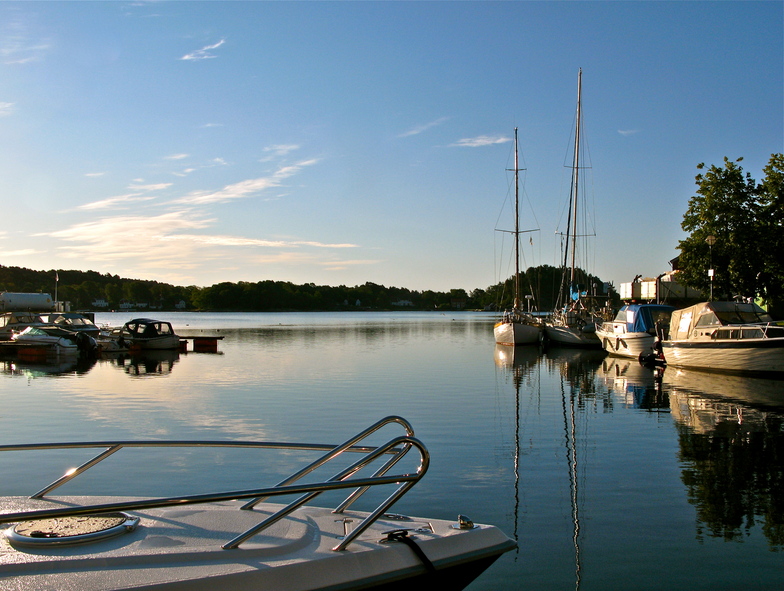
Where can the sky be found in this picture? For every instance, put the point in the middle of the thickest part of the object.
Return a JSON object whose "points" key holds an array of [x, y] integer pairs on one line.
{"points": [[340, 143]]}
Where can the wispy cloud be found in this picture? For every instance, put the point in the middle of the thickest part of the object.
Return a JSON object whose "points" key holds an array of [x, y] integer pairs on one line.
{"points": [[140, 194], [176, 157], [625, 132], [115, 202], [94, 174], [6, 109], [479, 141], [246, 188], [204, 53], [17, 45], [422, 128], [279, 151]]}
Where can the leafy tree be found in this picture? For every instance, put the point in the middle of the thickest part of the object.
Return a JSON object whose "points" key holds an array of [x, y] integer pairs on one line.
{"points": [[745, 222]]}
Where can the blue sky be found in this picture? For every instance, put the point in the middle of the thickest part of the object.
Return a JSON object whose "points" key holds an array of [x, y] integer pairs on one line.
{"points": [[345, 142]]}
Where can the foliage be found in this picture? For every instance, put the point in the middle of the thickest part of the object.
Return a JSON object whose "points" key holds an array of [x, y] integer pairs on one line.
{"points": [[745, 220]]}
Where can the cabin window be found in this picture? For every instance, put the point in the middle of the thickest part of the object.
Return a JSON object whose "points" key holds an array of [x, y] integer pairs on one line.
{"points": [[752, 333], [708, 320], [164, 329]]}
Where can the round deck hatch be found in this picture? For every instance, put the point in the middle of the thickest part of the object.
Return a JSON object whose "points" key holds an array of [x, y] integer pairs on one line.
{"points": [[70, 530]]}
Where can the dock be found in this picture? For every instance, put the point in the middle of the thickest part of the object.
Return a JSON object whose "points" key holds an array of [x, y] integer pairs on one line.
{"points": [[201, 343]]}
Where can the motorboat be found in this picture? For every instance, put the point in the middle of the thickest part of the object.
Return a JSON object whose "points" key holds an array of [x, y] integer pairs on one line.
{"points": [[74, 322], [725, 336], [238, 539], [146, 333], [633, 331], [59, 340], [15, 322], [573, 323], [517, 327]]}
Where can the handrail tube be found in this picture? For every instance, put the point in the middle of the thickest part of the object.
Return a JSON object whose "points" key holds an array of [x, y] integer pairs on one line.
{"points": [[336, 451], [143, 504], [340, 477], [68, 476]]}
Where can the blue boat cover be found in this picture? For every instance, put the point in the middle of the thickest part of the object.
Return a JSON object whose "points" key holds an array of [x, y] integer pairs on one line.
{"points": [[643, 317]]}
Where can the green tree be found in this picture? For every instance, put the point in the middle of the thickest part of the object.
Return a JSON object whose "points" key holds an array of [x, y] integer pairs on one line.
{"points": [[725, 208], [771, 198]]}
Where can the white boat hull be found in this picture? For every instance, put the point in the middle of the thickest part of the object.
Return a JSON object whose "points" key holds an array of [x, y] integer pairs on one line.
{"points": [[180, 549], [627, 344], [742, 355], [516, 333], [156, 343]]}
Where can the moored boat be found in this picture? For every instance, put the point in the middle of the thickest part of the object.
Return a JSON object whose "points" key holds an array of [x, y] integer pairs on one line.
{"points": [[517, 327], [16, 322], [146, 333], [74, 322], [725, 336], [58, 340], [237, 539], [573, 323], [633, 331]]}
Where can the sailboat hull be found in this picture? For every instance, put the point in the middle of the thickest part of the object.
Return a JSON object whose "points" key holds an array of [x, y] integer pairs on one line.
{"points": [[572, 336], [516, 333]]}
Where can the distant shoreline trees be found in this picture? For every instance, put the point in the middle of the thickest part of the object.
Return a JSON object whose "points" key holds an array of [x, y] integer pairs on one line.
{"points": [[82, 288]]}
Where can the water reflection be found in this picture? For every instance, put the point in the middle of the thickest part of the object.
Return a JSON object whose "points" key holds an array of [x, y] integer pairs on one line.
{"points": [[635, 385], [731, 436], [146, 363]]}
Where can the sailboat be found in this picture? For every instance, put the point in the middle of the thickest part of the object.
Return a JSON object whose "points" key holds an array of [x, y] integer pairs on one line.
{"points": [[517, 327], [573, 323]]}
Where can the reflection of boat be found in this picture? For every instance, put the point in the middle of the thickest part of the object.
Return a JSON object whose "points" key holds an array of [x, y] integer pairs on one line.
{"points": [[573, 323], [633, 330], [751, 391], [637, 385], [145, 333], [237, 539], [725, 336], [517, 327], [513, 357], [148, 362]]}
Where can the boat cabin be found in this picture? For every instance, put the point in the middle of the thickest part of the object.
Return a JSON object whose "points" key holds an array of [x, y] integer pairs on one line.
{"points": [[702, 319], [642, 318]]}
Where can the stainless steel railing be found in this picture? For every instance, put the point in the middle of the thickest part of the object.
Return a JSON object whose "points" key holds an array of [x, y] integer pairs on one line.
{"points": [[388, 454]]}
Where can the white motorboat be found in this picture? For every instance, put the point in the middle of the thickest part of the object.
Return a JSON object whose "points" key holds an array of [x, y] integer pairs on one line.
{"points": [[517, 327], [146, 333], [237, 539], [725, 336], [633, 331], [574, 322], [60, 341], [16, 322]]}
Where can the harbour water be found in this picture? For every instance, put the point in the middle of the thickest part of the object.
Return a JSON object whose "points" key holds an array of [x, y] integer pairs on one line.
{"points": [[608, 475]]}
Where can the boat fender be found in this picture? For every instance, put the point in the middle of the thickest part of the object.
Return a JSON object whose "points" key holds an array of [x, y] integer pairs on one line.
{"points": [[401, 535]]}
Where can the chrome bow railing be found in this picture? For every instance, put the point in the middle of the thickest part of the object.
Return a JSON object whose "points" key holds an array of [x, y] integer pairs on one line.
{"points": [[387, 454]]}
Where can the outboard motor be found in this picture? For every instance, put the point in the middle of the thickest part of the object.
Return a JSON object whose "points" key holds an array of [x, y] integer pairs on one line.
{"points": [[85, 343]]}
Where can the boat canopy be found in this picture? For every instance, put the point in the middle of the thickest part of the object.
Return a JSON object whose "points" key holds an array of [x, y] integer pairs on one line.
{"points": [[708, 314], [644, 317]]}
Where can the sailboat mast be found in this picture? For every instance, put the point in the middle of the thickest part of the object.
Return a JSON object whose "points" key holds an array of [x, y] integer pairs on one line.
{"points": [[576, 172], [517, 303]]}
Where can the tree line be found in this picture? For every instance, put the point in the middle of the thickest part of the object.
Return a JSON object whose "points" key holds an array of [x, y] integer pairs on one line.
{"points": [[82, 288]]}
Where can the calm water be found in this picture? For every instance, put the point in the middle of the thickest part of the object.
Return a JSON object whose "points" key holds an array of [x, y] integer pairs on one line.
{"points": [[608, 476]]}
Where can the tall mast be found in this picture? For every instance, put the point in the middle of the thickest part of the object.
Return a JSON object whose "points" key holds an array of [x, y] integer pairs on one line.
{"points": [[517, 304], [576, 172]]}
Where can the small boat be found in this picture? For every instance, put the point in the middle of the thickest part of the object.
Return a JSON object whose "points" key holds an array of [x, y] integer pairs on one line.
{"points": [[145, 333], [59, 340], [15, 322], [633, 331], [725, 336], [517, 327], [74, 322], [237, 539], [573, 323]]}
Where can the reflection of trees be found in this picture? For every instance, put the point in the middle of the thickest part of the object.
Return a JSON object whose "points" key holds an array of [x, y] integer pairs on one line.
{"points": [[735, 474]]}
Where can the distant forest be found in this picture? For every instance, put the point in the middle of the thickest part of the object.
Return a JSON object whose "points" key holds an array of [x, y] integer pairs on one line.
{"points": [[82, 288]]}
